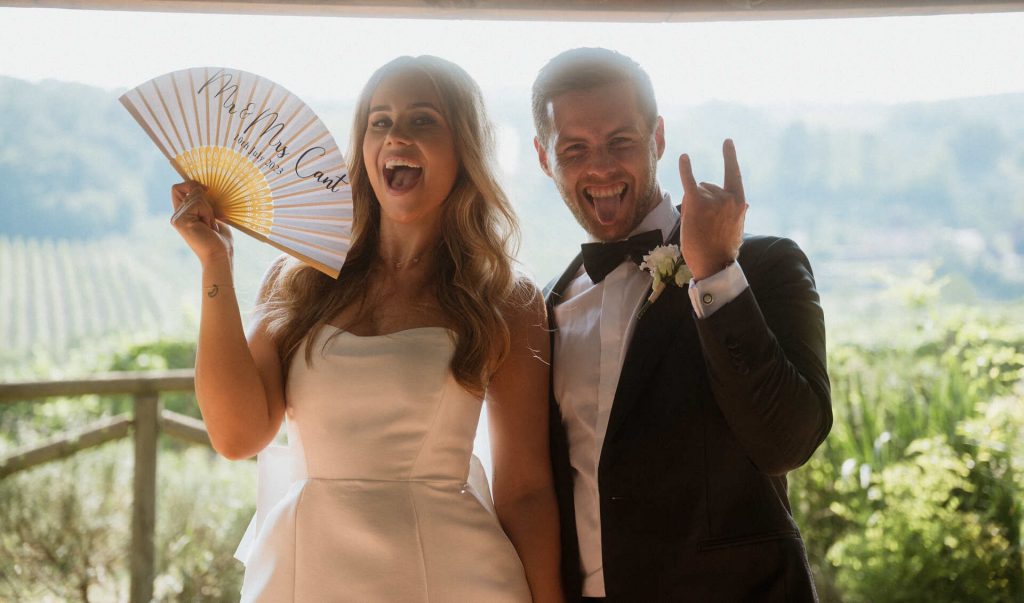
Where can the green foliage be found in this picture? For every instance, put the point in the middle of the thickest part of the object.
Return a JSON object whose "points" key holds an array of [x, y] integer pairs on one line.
{"points": [[918, 541], [29, 423], [66, 527], [920, 371], [206, 503], [159, 355], [995, 439], [915, 495], [65, 533]]}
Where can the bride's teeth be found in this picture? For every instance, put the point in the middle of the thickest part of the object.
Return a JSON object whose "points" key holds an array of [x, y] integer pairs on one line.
{"points": [[393, 163]]}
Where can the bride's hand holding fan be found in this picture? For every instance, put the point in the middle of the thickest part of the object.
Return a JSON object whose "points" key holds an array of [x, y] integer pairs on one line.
{"points": [[195, 220]]}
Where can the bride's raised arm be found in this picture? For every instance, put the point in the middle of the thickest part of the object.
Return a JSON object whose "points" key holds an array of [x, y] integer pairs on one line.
{"points": [[239, 382]]}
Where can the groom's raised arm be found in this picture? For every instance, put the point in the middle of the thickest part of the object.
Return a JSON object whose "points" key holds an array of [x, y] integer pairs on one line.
{"points": [[765, 346], [765, 353]]}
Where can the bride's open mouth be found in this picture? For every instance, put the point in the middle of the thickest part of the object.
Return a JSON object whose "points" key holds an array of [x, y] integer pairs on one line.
{"points": [[606, 200], [401, 175]]}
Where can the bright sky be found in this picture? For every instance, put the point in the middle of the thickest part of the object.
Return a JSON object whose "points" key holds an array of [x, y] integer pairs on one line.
{"points": [[889, 60]]}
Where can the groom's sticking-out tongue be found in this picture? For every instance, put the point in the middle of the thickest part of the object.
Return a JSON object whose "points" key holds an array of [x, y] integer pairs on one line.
{"points": [[607, 209]]}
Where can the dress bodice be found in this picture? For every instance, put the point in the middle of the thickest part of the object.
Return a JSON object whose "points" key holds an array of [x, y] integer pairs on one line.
{"points": [[381, 407]]}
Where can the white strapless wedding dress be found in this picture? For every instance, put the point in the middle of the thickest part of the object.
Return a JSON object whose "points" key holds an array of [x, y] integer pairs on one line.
{"points": [[377, 497]]}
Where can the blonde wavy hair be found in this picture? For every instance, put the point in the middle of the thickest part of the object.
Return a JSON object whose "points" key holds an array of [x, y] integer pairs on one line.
{"points": [[474, 281]]}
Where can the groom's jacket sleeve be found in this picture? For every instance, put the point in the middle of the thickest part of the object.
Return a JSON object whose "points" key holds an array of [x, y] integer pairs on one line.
{"points": [[765, 354]]}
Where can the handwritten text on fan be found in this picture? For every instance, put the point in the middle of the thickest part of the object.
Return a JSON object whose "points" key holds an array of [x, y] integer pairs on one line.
{"points": [[271, 150]]}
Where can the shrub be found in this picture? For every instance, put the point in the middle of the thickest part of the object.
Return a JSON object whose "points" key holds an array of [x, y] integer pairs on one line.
{"points": [[65, 530], [66, 527], [950, 376], [920, 541], [205, 506]]}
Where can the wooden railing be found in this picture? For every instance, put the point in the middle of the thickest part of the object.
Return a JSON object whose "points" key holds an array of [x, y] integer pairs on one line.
{"points": [[146, 423]]}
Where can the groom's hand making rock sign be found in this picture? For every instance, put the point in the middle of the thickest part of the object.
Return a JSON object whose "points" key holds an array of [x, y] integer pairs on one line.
{"points": [[712, 217]]}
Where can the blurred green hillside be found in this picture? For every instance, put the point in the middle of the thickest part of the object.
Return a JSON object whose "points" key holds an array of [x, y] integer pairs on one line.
{"points": [[869, 191], [75, 165]]}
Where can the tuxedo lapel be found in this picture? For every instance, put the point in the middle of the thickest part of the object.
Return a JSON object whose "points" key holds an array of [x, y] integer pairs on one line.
{"points": [[553, 292], [660, 324], [665, 320]]}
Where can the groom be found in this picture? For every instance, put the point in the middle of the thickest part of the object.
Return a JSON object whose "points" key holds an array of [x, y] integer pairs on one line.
{"points": [[672, 432]]}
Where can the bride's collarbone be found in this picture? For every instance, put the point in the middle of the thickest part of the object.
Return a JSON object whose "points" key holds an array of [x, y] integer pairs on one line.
{"points": [[397, 311]]}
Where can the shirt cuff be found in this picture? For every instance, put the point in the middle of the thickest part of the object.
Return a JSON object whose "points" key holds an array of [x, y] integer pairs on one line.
{"points": [[713, 292]]}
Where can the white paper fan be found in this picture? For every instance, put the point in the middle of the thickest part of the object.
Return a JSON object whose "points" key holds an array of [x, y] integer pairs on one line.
{"points": [[272, 169]]}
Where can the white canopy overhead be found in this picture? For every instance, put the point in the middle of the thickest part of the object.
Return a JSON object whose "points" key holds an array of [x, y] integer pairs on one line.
{"points": [[552, 10]]}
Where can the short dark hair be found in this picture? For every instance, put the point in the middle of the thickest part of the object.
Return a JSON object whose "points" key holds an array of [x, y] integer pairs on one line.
{"points": [[585, 69]]}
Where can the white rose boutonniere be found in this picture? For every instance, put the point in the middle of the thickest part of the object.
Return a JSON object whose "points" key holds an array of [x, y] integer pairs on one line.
{"points": [[666, 266]]}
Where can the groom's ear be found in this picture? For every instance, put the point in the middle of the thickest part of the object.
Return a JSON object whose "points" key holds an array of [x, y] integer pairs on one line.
{"points": [[659, 136], [542, 156]]}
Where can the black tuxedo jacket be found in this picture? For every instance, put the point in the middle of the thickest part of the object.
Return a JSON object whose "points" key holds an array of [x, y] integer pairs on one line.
{"points": [[708, 418]]}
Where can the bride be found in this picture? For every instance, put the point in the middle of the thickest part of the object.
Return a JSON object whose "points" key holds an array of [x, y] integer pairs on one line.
{"points": [[381, 373]]}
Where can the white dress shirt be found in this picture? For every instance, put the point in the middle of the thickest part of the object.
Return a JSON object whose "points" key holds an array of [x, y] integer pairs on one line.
{"points": [[595, 325]]}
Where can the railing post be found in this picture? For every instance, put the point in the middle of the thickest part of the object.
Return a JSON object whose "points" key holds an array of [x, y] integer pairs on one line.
{"points": [[147, 432]]}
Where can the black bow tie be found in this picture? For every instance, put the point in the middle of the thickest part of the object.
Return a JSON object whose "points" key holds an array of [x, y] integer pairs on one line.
{"points": [[601, 258]]}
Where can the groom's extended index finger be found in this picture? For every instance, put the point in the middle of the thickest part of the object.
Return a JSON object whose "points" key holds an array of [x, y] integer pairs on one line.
{"points": [[686, 175], [733, 179]]}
